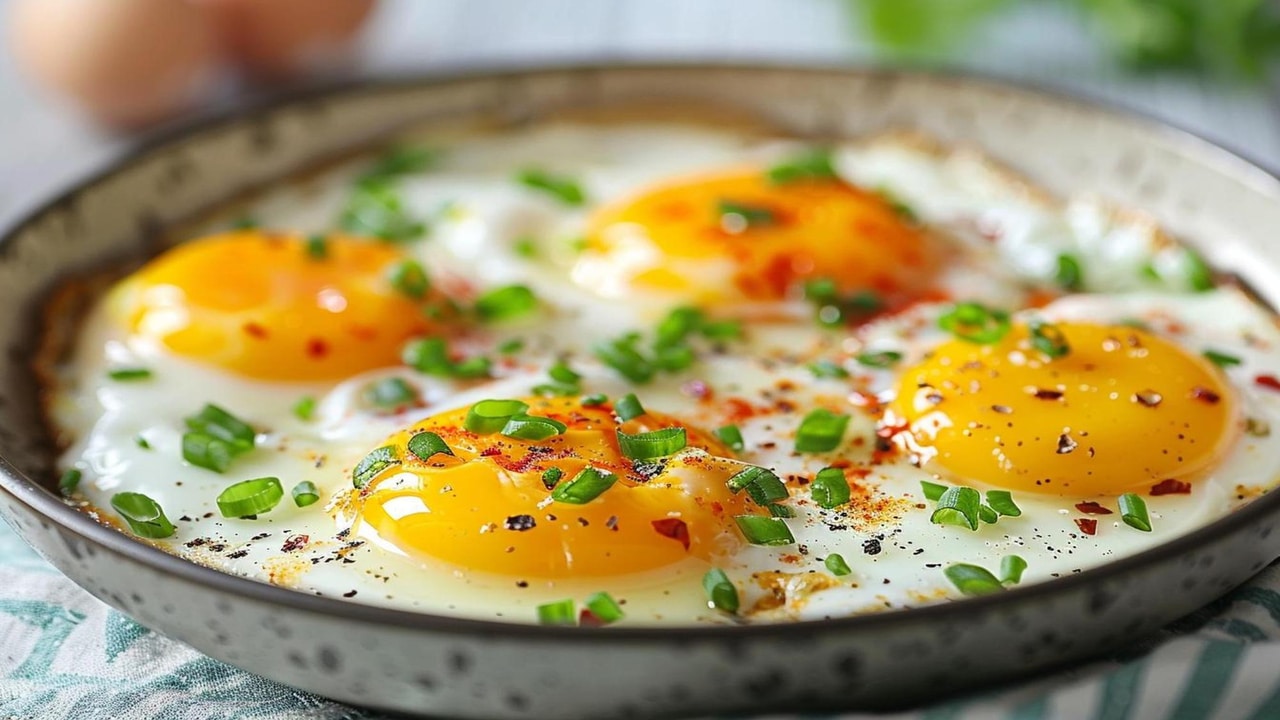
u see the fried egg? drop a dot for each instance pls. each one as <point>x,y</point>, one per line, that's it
<point>666,375</point>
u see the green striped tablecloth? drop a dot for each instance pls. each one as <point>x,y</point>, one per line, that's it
<point>63,654</point>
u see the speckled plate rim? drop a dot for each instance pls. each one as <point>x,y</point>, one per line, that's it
<point>49,506</point>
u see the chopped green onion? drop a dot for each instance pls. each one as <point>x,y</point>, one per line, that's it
<point>373,463</point>
<point>654,444</point>
<point>584,487</point>
<point>245,222</point>
<point>551,476</point>
<point>561,188</point>
<point>821,289</point>
<point>532,427</point>
<point>932,491</point>
<point>780,511</point>
<point>1002,502</point>
<point>622,356</point>
<point>836,565</point>
<point>833,308</point>
<point>554,390</point>
<point>426,445</point>
<point>410,279</point>
<point>505,303</point>
<point>896,204</point>
<point>142,442</point>
<point>736,217</point>
<point>730,435</point>
<point>957,506</point>
<point>721,594</point>
<point>1049,339</point>
<point>987,515</point>
<point>477,366</point>
<point>305,493</point>
<point>206,451</point>
<point>674,359</point>
<point>1069,276</point>
<point>490,416</point>
<point>317,247</point>
<point>594,400</point>
<point>880,359</point>
<point>1222,359</point>
<point>827,369</point>
<point>1199,276</point>
<point>810,165</point>
<point>511,346</point>
<point>604,607</point>
<point>250,497</point>
<point>677,326</point>
<point>145,517</point>
<point>399,161</point>
<point>764,487</point>
<point>972,580</point>
<point>525,247</point>
<point>69,481</point>
<point>721,329</point>
<point>820,431</point>
<point>376,208</point>
<point>392,393</point>
<point>561,612</point>
<point>761,530</point>
<point>1133,510</point>
<point>830,488</point>
<point>560,372</point>
<point>1011,569</point>
<point>975,323</point>
<point>213,420</point>
<point>628,408</point>
<point>429,356</point>
<point>127,374</point>
<point>305,408</point>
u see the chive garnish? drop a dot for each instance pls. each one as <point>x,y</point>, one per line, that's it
<point>820,431</point>
<point>129,374</point>
<point>628,407</point>
<point>975,323</point>
<point>561,188</point>
<point>827,369</point>
<point>317,247</point>
<point>972,580</point>
<point>400,161</point>
<point>428,355</point>
<point>836,565</point>
<point>780,511</point>
<point>957,506</point>
<point>561,612</point>
<point>677,325</point>
<point>305,408</point>
<point>376,208</point>
<point>1222,359</point>
<point>623,356</point>
<point>305,493</point>
<point>525,247</point>
<point>425,445</point>
<point>409,278</point>
<point>551,476</point>
<point>584,487</point>
<point>736,217</point>
<point>490,416</point>
<point>674,359</point>
<point>145,516</point>
<point>764,487</point>
<point>532,427</point>
<point>761,530</point>
<point>373,463</point>
<point>1049,339</point>
<point>561,372</point>
<point>830,488</point>
<point>932,491</point>
<point>505,303</point>
<point>250,497</point>
<point>511,346</point>
<point>730,435</point>
<point>1011,569</point>
<point>813,164</point>
<point>1069,275</point>
<point>215,437</point>
<point>392,393</point>
<point>721,594</point>
<point>604,607</point>
<point>654,444</point>
<point>1002,502</point>
<point>69,481</point>
<point>595,399</point>
<point>833,308</point>
<point>1133,510</point>
<point>206,451</point>
<point>477,366</point>
<point>142,442</point>
<point>1199,276</point>
<point>879,359</point>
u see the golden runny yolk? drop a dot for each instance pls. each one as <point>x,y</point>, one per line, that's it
<point>786,233</point>
<point>1122,410</point>
<point>485,507</point>
<point>262,306</point>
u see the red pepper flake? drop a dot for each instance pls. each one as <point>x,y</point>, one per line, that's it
<point>1171,487</point>
<point>674,528</point>
<point>1205,395</point>
<point>1269,382</point>
<point>490,452</point>
<point>1148,398</point>
<point>254,330</point>
<point>295,542</point>
<point>1092,508</point>
<point>1088,526</point>
<point>317,348</point>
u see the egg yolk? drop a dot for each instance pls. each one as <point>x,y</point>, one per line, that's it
<point>736,235</point>
<point>276,306</point>
<point>1121,410</point>
<point>488,506</point>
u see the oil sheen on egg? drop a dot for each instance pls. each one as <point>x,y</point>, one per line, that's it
<point>957,329</point>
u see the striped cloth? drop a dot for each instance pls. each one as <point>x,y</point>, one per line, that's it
<point>63,654</point>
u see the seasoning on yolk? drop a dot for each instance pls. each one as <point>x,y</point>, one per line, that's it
<point>263,305</point>
<point>487,507</point>
<point>734,235</point>
<point>1122,410</point>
